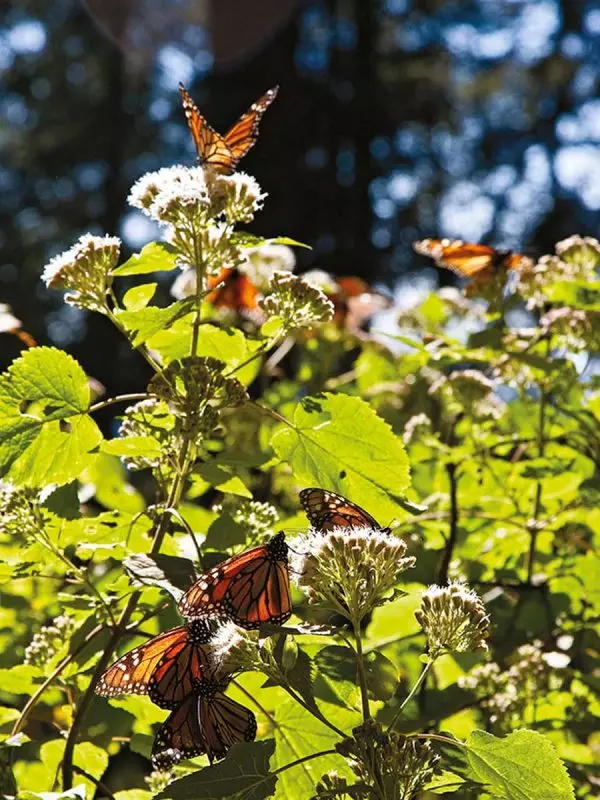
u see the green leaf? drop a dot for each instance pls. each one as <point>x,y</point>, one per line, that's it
<point>220,478</point>
<point>339,663</point>
<point>171,573</point>
<point>288,241</point>
<point>132,446</point>
<point>109,478</point>
<point>539,468</point>
<point>76,793</point>
<point>243,239</point>
<point>44,435</point>
<point>522,766</point>
<point>244,774</point>
<point>139,296</point>
<point>338,442</point>
<point>146,322</point>
<point>154,257</point>
<point>226,344</point>
<point>576,294</point>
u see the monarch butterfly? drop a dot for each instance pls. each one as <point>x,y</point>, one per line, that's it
<point>207,721</point>
<point>469,260</point>
<point>251,588</point>
<point>237,291</point>
<point>163,667</point>
<point>223,153</point>
<point>327,510</point>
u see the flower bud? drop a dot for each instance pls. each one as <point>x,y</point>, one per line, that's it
<point>299,304</point>
<point>453,618</point>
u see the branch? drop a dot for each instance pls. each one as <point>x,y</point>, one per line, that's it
<point>453,534</point>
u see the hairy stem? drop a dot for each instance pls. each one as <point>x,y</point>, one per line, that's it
<point>121,398</point>
<point>199,269</point>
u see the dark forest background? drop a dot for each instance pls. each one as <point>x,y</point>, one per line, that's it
<point>396,120</point>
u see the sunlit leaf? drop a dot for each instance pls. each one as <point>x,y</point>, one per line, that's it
<point>154,257</point>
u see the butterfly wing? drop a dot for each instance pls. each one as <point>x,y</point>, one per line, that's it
<point>327,510</point>
<point>211,146</point>
<point>243,135</point>
<point>251,588</point>
<point>180,736</point>
<point>133,672</point>
<point>224,722</point>
<point>237,291</point>
<point>183,663</point>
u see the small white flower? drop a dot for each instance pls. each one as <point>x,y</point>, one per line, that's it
<point>453,618</point>
<point>265,260</point>
<point>234,650</point>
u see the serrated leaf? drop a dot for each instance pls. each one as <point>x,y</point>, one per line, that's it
<point>131,446</point>
<point>171,573</point>
<point>226,344</point>
<point>146,322</point>
<point>222,479</point>
<point>154,257</point>
<point>244,774</point>
<point>338,442</point>
<point>522,766</point>
<point>138,297</point>
<point>45,434</point>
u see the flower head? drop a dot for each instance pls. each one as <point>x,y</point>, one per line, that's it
<point>256,519</point>
<point>296,302</point>
<point>85,270</point>
<point>48,641</point>
<point>241,196</point>
<point>349,571</point>
<point>453,618</point>
<point>581,251</point>
<point>403,764</point>
<point>173,195</point>
<point>235,650</point>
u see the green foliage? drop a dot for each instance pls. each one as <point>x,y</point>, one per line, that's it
<point>480,452</point>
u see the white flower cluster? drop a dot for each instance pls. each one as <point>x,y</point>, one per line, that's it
<point>85,270</point>
<point>453,618</point>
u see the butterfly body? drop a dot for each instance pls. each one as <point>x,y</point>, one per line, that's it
<point>222,154</point>
<point>206,722</point>
<point>469,260</point>
<point>251,588</point>
<point>328,510</point>
<point>164,667</point>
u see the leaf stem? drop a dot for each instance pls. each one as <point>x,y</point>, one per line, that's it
<point>302,760</point>
<point>412,693</point>
<point>537,503</point>
<point>199,294</point>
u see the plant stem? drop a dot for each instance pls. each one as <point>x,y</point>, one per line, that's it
<point>362,676</point>
<point>199,268</point>
<point>121,398</point>
<point>32,702</point>
<point>302,760</point>
<point>453,522</point>
<point>88,695</point>
<point>101,787</point>
<point>537,503</point>
<point>438,738</point>
<point>412,693</point>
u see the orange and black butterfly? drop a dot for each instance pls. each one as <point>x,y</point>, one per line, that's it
<point>251,588</point>
<point>328,510</point>
<point>469,260</point>
<point>207,721</point>
<point>233,289</point>
<point>223,153</point>
<point>164,667</point>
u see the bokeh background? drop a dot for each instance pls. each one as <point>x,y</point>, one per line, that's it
<point>396,120</point>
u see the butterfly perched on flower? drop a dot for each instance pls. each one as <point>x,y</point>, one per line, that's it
<point>251,588</point>
<point>327,510</point>
<point>164,667</point>
<point>223,153</point>
<point>470,260</point>
<point>207,721</point>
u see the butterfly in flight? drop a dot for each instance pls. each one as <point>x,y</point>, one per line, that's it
<point>251,588</point>
<point>223,153</point>
<point>233,289</point>
<point>207,721</point>
<point>327,510</point>
<point>470,260</point>
<point>164,667</point>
